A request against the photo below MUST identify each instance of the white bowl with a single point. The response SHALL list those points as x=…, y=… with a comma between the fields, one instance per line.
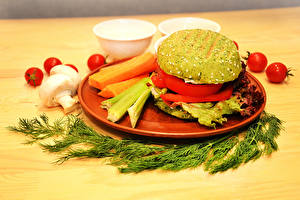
x=124, y=38
x=159, y=41
x=170, y=26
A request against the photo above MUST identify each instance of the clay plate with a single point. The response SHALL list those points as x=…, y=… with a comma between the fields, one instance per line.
x=154, y=122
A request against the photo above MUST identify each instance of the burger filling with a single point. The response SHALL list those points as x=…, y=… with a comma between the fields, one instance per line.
x=208, y=103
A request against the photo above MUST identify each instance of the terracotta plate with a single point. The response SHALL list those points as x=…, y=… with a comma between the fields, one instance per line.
x=155, y=123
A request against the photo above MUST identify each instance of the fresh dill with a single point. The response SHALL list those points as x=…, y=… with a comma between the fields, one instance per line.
x=71, y=138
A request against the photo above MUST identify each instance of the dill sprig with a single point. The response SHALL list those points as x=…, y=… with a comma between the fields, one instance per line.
x=71, y=138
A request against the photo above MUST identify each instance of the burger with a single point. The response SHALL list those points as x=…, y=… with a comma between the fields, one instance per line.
x=201, y=76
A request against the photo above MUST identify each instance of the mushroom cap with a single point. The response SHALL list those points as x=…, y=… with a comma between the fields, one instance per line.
x=68, y=71
x=54, y=87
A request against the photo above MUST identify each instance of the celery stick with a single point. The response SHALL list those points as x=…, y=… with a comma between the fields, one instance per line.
x=117, y=110
x=109, y=102
x=136, y=109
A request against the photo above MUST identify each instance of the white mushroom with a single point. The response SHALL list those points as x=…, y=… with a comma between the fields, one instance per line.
x=59, y=88
x=66, y=70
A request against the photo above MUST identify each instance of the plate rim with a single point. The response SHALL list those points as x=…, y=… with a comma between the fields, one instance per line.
x=159, y=134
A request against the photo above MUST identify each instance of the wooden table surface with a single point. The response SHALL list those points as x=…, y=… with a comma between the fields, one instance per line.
x=26, y=172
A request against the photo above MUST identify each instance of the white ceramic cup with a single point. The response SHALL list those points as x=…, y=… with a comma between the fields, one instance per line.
x=172, y=25
x=124, y=38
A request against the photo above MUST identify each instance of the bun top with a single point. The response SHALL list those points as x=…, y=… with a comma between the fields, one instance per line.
x=199, y=56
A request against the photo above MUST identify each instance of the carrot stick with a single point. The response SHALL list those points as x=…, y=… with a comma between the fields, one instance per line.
x=136, y=66
x=129, y=62
x=139, y=63
x=114, y=89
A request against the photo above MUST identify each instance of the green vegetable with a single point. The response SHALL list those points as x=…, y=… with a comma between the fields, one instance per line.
x=119, y=108
x=109, y=102
x=72, y=138
x=175, y=111
x=136, y=110
x=208, y=113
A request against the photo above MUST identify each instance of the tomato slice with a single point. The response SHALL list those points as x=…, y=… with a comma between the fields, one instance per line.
x=158, y=81
x=194, y=90
x=220, y=96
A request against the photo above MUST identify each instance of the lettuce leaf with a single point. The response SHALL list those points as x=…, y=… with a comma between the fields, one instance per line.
x=209, y=114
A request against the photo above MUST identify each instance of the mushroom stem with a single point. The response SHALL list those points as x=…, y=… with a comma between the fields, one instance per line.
x=67, y=102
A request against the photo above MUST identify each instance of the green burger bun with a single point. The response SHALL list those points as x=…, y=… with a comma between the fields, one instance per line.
x=199, y=56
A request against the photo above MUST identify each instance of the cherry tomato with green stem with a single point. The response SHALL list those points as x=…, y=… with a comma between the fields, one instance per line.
x=277, y=72
x=34, y=76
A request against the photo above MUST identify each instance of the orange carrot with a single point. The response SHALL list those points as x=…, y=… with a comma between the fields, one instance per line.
x=116, y=66
x=116, y=88
x=136, y=66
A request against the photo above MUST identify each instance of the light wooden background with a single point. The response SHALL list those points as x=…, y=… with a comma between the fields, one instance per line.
x=26, y=172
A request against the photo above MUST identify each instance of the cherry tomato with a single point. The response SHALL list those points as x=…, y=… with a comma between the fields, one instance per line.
x=34, y=76
x=70, y=65
x=95, y=61
x=277, y=72
x=236, y=44
x=51, y=62
x=257, y=62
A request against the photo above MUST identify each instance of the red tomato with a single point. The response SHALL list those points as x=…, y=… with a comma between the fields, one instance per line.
x=70, y=65
x=257, y=62
x=158, y=81
x=236, y=44
x=95, y=61
x=51, y=62
x=34, y=76
x=277, y=72
x=194, y=90
x=219, y=96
